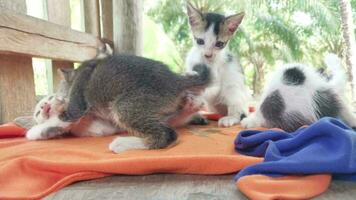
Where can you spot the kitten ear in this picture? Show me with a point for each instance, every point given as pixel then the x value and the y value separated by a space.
pixel 26 122
pixel 195 16
pixel 232 22
pixel 67 74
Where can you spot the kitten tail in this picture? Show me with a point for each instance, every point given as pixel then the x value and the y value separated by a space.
pixel 334 64
pixel 197 81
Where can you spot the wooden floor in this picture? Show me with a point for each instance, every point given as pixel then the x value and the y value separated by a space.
pixel 175 187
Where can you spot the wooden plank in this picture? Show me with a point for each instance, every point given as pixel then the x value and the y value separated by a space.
pixel 17 84
pixel 173 187
pixel 17 87
pixel 92 17
pixel 13 41
pixel 18 6
pixel 107 19
pixel 158 187
pixel 9 19
pixel 128 26
pixel 58 12
pixel 31 36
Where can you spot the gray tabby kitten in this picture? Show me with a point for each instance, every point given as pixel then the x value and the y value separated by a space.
pixel 137 94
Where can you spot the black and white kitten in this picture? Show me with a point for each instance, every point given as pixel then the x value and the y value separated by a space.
pixel 299 95
pixel 227 95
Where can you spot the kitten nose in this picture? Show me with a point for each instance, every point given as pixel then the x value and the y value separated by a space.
pixel 208 55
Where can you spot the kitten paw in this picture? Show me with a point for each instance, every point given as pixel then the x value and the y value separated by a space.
pixel 40 133
pixel 249 122
pixel 35 133
pixel 121 144
pixel 228 121
pixel 199 120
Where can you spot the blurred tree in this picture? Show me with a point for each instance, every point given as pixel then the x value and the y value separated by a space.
pixel 349 38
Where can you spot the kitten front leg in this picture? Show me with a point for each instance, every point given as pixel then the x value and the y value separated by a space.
pixel 41 132
pixel 188 114
pixel 50 129
pixel 254 120
pixel 233 117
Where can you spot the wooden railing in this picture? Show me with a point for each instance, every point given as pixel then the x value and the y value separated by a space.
pixel 23 37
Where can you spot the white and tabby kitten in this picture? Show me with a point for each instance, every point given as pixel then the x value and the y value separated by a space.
pixel 227 95
pixel 49 108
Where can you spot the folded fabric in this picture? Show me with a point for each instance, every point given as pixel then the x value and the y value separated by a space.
pixel 11 130
pixel 33 169
pixel 326 147
pixel 262 187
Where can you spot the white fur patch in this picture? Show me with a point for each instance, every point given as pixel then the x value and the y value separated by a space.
pixel 38 132
pixel 100 128
pixel 228 121
pixel 252 121
pixel 35 133
pixel 121 144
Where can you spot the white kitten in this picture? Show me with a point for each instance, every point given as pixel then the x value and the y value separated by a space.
pixel 298 95
pixel 227 95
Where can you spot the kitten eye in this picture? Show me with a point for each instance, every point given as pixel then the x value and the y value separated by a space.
pixel 38 112
pixel 219 44
pixel 200 41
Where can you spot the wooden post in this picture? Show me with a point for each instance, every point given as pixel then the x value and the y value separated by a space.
pixel 107 20
pixel 58 12
pixel 128 26
pixel 17 85
pixel 92 17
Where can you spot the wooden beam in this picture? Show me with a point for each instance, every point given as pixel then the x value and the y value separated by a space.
pixel 58 12
pixel 35 37
pixel 107 19
pixel 92 17
pixel 128 26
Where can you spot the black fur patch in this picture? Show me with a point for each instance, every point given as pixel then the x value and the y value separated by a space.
pixel 291 121
pixel 273 106
pixel 326 103
pixel 293 76
pixel 215 19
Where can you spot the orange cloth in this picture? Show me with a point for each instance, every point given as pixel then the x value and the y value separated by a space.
pixel 34 169
pixel 261 187
pixel 11 130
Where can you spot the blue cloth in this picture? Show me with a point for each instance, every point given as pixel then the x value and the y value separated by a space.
pixel 327 146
